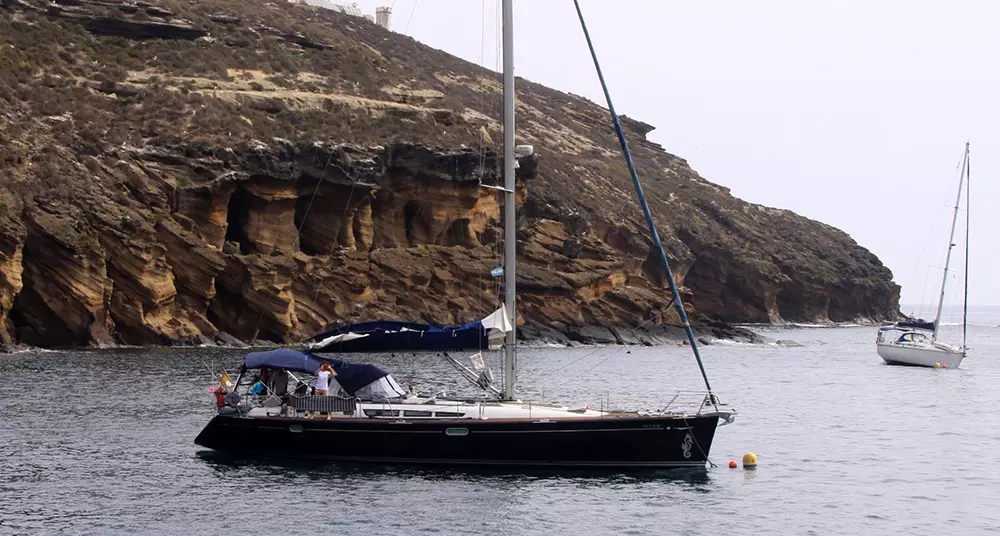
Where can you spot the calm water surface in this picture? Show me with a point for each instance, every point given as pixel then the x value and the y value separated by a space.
pixel 100 442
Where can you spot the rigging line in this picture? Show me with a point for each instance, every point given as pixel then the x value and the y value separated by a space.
pixel 482 33
pixel 697 444
pixel 319 182
pixel 656 317
pixel 601 362
pixel 575 361
pixel 482 62
pixel 923 248
pixel 340 228
pixel 937 216
pixel 968 207
pixel 256 330
pixel 486 93
pixel 408 21
pixel 211 371
pixel 951 238
pixel 642 201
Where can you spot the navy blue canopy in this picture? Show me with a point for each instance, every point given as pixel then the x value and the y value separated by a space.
pixel 916 325
pixel 355 376
pixel 390 335
pixel 351 376
pixel 284 359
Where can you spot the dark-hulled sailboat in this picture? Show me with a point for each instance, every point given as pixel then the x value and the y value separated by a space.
pixel 268 410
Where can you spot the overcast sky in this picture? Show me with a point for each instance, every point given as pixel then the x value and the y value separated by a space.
pixel 853 113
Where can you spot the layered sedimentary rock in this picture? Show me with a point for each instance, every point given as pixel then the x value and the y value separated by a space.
pixel 180 173
pixel 66 290
pixel 11 257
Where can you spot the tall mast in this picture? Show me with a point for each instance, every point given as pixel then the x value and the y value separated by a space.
pixel 509 203
pixel 951 243
pixel 968 209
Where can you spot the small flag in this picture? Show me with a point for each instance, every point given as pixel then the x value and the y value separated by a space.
pixel 497 272
pixel 225 384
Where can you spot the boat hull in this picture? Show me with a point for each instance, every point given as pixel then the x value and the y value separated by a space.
pixel 655 441
pixel 919 356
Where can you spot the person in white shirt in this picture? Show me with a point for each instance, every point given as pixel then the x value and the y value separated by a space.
pixel 323 376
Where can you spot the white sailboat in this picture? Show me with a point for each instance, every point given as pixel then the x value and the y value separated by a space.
pixel 908 343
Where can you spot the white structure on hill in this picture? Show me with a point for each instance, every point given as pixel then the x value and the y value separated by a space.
pixel 353 9
pixel 383 15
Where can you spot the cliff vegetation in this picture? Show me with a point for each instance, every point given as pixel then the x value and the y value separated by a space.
pixel 187 172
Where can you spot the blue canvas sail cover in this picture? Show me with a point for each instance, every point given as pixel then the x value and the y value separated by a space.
pixel 358 379
pixel 916 325
pixel 394 335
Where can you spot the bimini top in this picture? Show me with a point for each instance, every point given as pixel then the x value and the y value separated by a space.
pixel 392 335
pixel 284 359
pixel 363 380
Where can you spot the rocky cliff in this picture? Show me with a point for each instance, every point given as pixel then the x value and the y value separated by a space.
pixel 191 171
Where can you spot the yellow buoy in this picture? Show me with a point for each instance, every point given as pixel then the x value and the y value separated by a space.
pixel 749 460
pixel 937 365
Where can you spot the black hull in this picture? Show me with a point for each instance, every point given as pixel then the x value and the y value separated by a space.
pixel 620 442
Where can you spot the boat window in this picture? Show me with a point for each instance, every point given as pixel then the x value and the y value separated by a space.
pixel 382 413
pixel 448 414
pixel 416 414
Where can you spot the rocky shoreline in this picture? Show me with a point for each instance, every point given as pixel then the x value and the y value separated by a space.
pixel 703 339
pixel 651 335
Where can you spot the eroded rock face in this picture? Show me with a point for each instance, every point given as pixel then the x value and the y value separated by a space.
pixel 147 198
pixel 195 264
pixel 66 292
pixel 11 256
pixel 248 252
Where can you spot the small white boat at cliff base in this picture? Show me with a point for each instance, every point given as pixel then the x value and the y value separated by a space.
pixel 908 343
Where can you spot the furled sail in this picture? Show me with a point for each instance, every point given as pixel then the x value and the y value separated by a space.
pixel 917 324
pixel 394 335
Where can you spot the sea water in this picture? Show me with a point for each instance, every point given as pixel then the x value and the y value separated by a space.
pixel 101 442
